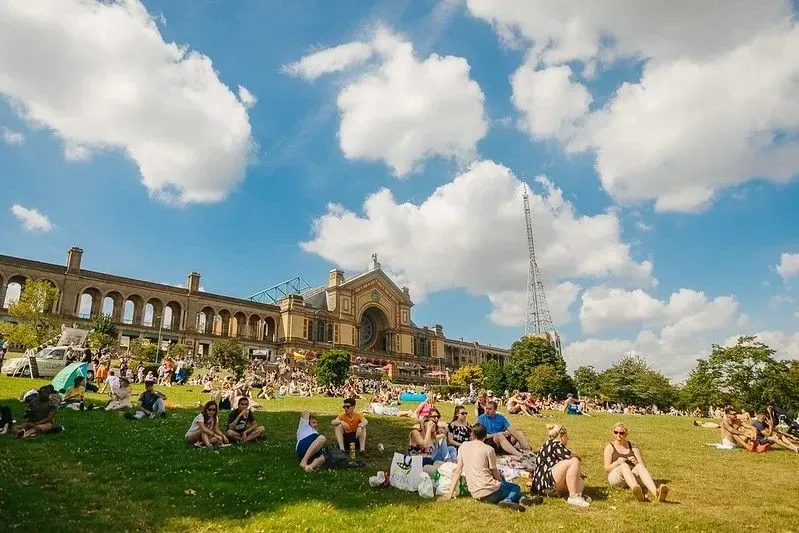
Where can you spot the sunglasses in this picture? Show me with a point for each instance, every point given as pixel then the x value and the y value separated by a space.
pixel 462 413
pixel 620 432
pixel 348 406
pixel 435 416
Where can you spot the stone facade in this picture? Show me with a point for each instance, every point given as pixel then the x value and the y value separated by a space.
pixel 366 314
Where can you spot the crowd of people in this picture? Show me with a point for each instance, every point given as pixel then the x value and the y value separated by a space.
pixel 480 449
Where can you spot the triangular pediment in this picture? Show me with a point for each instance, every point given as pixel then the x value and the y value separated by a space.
pixel 382 279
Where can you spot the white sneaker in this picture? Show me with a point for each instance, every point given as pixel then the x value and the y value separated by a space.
pixel 577 501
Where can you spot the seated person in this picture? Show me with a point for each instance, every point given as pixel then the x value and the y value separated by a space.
pixel 309 443
pixel 120 398
pixel 626 468
pixel 514 403
pixel 501 436
pixel 39 416
pixel 572 406
pixel 765 433
pixel 478 463
pixel 6 419
pixel 557 469
pixel 350 427
pixel 734 432
pixel 241 426
pixel 151 403
pixel 459 429
pixel 429 440
pixel 204 430
pixel 73 397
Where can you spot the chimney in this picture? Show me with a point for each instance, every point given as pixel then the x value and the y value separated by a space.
pixel 439 330
pixel 74 256
pixel 406 292
pixel 193 282
pixel 335 278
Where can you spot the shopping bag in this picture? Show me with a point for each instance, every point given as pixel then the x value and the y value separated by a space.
pixel 426 489
pixel 445 478
pixel 406 472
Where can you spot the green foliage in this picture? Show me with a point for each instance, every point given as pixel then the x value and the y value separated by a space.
pixel 104 325
pixel 466 375
pixel 332 367
pixel 444 390
pixel 544 380
pixel 701 389
pixel 178 351
pixel 36 324
pixel 493 376
pixel 631 381
pixel 228 354
pixel 527 353
pixel 143 350
pixel 586 379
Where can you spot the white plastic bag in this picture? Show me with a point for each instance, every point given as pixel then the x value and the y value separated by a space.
pixel 406 472
pixel 426 489
pixel 445 478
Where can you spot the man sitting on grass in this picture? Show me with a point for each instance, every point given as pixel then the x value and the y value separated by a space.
pixel 151 403
pixel 350 427
pixel 478 463
pixel 309 443
pixel 39 416
pixel 501 436
pixel 241 426
pixel 765 433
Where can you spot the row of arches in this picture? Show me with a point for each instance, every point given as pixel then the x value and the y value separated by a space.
pixel 227 324
pixel 11 290
pixel 132 309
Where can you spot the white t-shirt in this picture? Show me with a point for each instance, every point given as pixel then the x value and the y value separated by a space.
pixel 113 383
pixel 304 430
pixel 195 424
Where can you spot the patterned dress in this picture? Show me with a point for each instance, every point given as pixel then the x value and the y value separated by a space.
pixel 552 452
pixel 460 434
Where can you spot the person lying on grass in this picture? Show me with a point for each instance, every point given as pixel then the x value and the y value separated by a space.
pixel 626 469
pixel 477 461
pixel 350 427
pixel 557 468
pixel 241 426
pixel 309 443
pixel 501 436
pixel 39 416
pixel 204 430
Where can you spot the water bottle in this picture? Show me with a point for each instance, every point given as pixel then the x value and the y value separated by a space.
pixel 352 452
pixel 463 490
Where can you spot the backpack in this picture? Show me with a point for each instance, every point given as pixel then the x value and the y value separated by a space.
pixel 335 458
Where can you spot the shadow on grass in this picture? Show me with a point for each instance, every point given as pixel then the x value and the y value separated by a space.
pixel 105 471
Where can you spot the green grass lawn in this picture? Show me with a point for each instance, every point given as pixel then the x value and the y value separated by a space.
pixel 109 474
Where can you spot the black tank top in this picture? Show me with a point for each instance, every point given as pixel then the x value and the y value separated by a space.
pixel 617 454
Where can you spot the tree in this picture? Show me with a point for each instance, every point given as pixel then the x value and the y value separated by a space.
pixel 701 389
pixel 586 380
pixel 493 376
pixel 36 324
pixel 527 353
pixel 143 350
pixel 631 381
pixel 178 351
pixel 544 380
pixel 228 354
pixel 739 368
pixel 103 333
pixel 466 375
pixel 332 367
pixel 653 388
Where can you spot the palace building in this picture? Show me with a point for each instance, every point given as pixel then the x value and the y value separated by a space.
pixel 366 314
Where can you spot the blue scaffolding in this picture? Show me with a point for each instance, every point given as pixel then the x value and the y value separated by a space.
pixel 273 295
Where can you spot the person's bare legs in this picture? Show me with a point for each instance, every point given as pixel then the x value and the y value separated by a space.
pixel 646 478
pixel 520 438
pixel 313 449
pixel 566 474
pixel 339 431
pixel 360 434
pixel 254 433
pixel 233 436
pixel 505 444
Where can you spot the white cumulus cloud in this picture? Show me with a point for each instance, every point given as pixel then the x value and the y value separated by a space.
pixel 31 219
pixel 470 234
pixel 246 97
pixel 401 109
pixel 100 76
pixel 788 267
pixel 11 137
pixel 695 122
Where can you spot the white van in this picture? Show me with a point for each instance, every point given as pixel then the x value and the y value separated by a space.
pixel 50 361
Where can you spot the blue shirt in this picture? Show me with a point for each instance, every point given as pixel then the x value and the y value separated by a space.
pixel 494 424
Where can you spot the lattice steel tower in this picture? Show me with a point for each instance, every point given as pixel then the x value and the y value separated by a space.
pixel 538 320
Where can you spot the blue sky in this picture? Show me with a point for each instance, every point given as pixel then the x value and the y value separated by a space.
pixel 663 169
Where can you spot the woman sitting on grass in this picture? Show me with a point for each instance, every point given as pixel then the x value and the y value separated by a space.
pixel 120 398
pixel 204 430
pixel 459 429
pixel 626 468
pixel 426 439
pixel 557 469
pixel 424 408
pixel 73 397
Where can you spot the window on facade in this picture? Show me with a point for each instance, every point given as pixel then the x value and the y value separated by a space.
pixel 336 334
pixel 305 328
pixel 421 347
